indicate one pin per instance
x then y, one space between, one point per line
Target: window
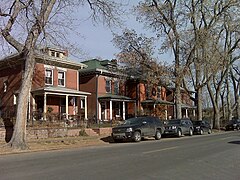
5 86
49 76
61 78
159 92
108 86
15 99
53 53
116 87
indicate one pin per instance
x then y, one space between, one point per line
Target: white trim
49 67
61 69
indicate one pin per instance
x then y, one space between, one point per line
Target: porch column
166 114
135 109
186 113
99 112
85 110
110 110
34 103
194 113
29 106
124 109
66 106
44 106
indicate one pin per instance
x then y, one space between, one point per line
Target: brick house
187 106
55 85
150 100
108 100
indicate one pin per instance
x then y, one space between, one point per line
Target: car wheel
209 131
158 135
237 128
179 132
201 132
137 136
190 132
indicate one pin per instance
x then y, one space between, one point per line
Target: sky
96 39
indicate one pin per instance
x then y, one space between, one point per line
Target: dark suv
179 127
137 128
201 127
233 124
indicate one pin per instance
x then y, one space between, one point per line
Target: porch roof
185 106
59 91
157 101
115 97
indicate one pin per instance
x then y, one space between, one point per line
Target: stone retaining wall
44 133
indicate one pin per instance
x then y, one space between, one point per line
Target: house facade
108 100
150 100
55 86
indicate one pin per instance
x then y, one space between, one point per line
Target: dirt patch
55 144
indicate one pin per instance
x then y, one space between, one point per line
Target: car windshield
198 123
132 121
173 122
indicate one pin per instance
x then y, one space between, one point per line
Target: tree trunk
216 120
18 140
178 102
199 104
229 102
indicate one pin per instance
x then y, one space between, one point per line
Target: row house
93 89
117 96
108 100
55 85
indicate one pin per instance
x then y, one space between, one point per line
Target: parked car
137 128
179 127
233 124
201 127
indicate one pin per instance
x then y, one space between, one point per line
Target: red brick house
108 100
151 100
55 86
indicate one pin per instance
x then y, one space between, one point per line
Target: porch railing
39 119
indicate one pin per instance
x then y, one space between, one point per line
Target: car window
173 122
132 121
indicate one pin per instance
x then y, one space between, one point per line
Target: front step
92 132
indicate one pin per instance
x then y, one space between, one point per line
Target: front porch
115 107
58 104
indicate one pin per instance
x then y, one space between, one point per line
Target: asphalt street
214 156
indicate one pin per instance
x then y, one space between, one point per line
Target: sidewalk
55 144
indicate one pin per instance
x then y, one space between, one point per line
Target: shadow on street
234 142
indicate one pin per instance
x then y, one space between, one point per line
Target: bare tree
35 18
136 55
167 20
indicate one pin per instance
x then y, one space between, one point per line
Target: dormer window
52 53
